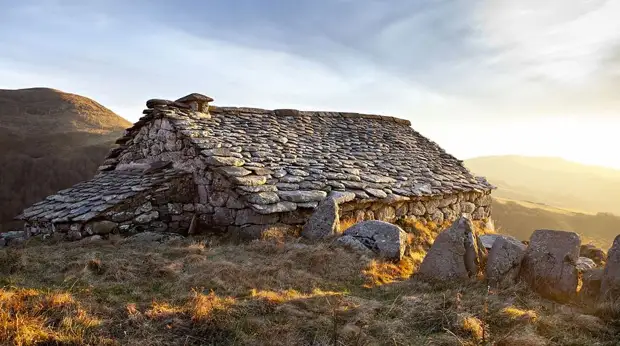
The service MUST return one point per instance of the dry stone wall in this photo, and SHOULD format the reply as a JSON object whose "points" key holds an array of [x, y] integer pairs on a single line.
{"points": [[436, 209]]}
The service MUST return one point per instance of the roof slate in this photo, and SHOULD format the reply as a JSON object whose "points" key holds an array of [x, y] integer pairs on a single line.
{"points": [[87, 200], [286, 150]]}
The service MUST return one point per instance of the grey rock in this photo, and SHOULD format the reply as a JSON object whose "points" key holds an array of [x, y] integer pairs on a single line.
{"points": [[341, 197], [175, 208], [584, 263], [263, 198], [504, 260], [279, 207], [387, 240], [249, 216], [354, 244], [468, 207], [250, 180], [122, 216], [146, 218], [103, 227], [73, 235], [376, 192], [224, 216], [549, 263], [260, 188], [218, 198], [302, 196], [233, 171], [454, 254], [144, 208], [324, 222], [591, 284], [489, 239], [610, 284], [224, 161], [2, 242]]}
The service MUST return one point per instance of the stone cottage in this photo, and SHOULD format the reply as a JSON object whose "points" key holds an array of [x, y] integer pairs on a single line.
{"points": [[187, 166]]}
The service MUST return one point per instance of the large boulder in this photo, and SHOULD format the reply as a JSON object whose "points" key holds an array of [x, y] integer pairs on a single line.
{"points": [[455, 254], [387, 240], [594, 253], [324, 222], [504, 261], [549, 264], [610, 284]]}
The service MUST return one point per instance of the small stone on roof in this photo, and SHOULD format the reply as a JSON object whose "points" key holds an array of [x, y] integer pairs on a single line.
{"points": [[195, 97]]}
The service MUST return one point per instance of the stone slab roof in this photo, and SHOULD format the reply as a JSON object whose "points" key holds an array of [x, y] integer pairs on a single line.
{"points": [[85, 201], [290, 158]]}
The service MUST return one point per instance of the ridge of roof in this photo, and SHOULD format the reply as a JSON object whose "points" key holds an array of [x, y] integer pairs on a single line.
{"points": [[314, 113]]}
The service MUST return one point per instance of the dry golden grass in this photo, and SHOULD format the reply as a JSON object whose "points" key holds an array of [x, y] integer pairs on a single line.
{"points": [[265, 293]]}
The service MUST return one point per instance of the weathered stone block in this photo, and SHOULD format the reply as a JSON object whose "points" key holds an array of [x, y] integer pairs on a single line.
{"points": [[504, 261], [224, 216], [249, 216], [454, 254], [147, 217], [387, 240], [324, 222], [301, 196], [549, 263], [263, 198]]}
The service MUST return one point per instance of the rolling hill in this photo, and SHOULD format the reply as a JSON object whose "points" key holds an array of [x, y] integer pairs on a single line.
{"points": [[552, 181], [49, 140], [543, 192]]}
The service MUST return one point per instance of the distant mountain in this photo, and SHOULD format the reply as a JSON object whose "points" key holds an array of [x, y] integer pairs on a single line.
{"points": [[520, 219], [49, 140], [552, 181]]}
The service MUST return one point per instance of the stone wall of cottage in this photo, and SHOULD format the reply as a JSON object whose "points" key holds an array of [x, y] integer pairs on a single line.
{"points": [[170, 208], [436, 209]]}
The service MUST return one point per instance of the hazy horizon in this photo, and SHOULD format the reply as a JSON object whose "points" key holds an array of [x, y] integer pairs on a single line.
{"points": [[480, 78]]}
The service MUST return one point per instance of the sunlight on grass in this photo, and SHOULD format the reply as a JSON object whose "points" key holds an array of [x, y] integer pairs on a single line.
{"points": [[383, 272], [515, 314], [29, 317]]}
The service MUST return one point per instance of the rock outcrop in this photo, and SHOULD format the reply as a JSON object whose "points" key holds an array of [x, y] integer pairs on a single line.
{"points": [[455, 254], [385, 239], [504, 261], [549, 264], [610, 284]]}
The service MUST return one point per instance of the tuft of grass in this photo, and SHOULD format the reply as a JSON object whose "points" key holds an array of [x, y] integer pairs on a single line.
{"points": [[380, 272], [30, 316]]}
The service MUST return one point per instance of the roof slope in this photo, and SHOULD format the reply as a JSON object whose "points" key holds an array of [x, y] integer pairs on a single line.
{"points": [[87, 200], [298, 154]]}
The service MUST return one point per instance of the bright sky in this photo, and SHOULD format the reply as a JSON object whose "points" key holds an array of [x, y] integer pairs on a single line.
{"points": [[479, 77]]}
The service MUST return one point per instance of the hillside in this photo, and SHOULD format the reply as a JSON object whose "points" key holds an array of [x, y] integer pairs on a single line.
{"points": [[552, 181], [49, 140], [520, 219]]}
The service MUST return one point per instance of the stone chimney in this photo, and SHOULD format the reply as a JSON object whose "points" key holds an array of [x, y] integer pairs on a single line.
{"points": [[198, 102]]}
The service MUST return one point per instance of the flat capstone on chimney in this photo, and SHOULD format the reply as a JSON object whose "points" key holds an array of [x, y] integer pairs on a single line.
{"points": [[198, 102]]}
